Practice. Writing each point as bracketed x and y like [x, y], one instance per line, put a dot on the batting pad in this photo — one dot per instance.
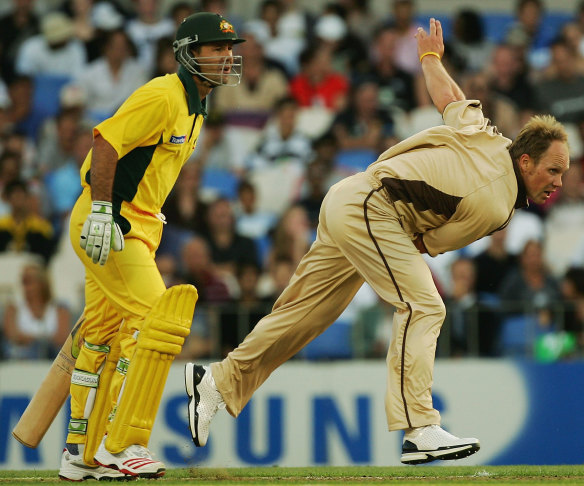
[160, 340]
[85, 380]
[103, 404]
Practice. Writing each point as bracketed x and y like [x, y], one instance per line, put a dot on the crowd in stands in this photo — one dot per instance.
[322, 94]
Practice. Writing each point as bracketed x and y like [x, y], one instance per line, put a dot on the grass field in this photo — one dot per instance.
[458, 475]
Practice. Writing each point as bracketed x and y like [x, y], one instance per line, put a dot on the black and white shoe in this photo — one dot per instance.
[204, 401]
[432, 442]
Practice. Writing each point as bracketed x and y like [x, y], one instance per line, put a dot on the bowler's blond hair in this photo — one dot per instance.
[536, 137]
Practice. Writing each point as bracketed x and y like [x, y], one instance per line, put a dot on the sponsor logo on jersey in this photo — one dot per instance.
[178, 139]
[226, 26]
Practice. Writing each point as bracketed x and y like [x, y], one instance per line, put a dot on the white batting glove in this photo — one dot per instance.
[100, 233]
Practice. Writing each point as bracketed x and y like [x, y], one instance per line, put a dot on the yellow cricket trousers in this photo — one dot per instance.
[123, 290]
[359, 239]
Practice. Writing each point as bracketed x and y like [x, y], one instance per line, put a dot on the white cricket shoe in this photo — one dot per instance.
[135, 461]
[204, 401]
[73, 468]
[432, 442]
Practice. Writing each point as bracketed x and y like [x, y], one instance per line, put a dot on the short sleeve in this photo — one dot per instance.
[460, 114]
[139, 122]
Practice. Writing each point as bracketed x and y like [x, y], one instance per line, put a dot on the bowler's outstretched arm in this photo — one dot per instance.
[441, 87]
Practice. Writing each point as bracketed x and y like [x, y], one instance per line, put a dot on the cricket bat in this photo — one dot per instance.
[51, 395]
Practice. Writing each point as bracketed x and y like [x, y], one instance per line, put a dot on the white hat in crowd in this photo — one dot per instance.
[330, 27]
[57, 28]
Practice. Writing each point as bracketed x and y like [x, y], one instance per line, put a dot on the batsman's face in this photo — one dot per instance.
[215, 60]
[544, 177]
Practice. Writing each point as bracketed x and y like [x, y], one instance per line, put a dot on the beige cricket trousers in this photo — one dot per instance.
[359, 239]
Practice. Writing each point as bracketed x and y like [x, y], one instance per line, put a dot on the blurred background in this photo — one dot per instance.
[326, 87]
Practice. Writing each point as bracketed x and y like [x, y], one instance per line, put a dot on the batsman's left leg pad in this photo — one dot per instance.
[165, 328]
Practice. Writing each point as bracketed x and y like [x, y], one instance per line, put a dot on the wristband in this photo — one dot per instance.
[429, 53]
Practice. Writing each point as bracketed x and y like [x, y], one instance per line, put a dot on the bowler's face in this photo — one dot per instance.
[545, 177]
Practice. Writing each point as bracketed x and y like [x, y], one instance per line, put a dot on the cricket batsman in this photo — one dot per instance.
[134, 326]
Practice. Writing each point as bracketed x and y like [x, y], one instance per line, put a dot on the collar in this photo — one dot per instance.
[521, 201]
[196, 105]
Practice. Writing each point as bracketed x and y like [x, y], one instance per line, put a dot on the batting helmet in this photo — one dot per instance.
[204, 28]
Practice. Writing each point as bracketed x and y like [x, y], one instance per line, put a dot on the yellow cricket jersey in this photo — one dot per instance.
[154, 133]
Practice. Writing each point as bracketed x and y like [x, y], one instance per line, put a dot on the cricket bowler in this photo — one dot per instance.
[436, 191]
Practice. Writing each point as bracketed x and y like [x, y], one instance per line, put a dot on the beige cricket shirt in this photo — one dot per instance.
[454, 183]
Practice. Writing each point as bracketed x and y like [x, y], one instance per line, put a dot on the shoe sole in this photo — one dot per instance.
[129, 475]
[194, 397]
[452, 453]
[90, 476]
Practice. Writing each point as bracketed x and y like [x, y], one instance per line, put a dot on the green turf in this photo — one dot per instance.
[413, 475]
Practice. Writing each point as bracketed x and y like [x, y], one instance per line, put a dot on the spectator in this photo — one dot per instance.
[296, 22]
[17, 143]
[239, 316]
[180, 11]
[531, 289]
[262, 85]
[397, 88]
[532, 32]
[326, 149]
[560, 95]
[19, 112]
[317, 84]
[228, 248]
[579, 19]
[280, 45]
[407, 49]
[359, 18]
[221, 7]
[198, 270]
[16, 26]
[493, 265]
[55, 150]
[362, 125]
[114, 76]
[371, 331]
[502, 112]
[62, 184]
[249, 220]
[215, 150]
[281, 140]
[469, 42]
[473, 328]
[564, 222]
[348, 52]
[146, 28]
[80, 11]
[168, 267]
[22, 230]
[277, 278]
[185, 211]
[56, 51]
[508, 78]
[572, 288]
[165, 62]
[9, 172]
[574, 38]
[315, 190]
[292, 236]
[35, 326]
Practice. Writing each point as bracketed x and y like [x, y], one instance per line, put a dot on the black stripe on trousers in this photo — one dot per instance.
[389, 272]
